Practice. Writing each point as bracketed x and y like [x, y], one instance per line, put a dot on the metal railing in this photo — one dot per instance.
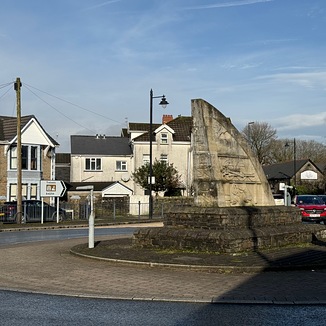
[112, 210]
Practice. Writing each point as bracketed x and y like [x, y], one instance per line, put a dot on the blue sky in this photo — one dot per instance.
[255, 60]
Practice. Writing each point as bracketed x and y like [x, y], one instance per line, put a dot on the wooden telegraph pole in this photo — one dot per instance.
[19, 153]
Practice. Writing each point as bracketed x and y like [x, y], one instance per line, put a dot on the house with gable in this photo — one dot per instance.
[111, 159]
[171, 142]
[38, 157]
[106, 162]
[301, 173]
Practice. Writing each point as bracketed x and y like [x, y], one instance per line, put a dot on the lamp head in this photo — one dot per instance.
[164, 102]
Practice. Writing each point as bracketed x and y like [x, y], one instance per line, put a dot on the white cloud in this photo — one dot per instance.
[228, 4]
[260, 67]
[101, 4]
[304, 79]
[300, 121]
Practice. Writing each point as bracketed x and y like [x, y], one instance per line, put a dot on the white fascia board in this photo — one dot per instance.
[33, 133]
[116, 189]
[164, 127]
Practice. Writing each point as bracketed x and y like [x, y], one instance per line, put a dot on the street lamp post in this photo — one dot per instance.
[163, 103]
[294, 162]
[249, 133]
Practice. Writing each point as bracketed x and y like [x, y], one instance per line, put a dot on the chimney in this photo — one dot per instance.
[167, 118]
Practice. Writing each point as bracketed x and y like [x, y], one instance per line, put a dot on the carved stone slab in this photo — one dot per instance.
[225, 170]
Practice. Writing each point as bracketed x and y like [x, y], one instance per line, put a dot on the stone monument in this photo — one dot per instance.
[233, 208]
[226, 173]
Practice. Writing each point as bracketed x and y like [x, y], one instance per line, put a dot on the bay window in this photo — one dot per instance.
[30, 157]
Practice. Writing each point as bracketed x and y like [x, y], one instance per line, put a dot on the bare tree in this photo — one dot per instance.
[280, 151]
[283, 150]
[261, 137]
[263, 140]
[310, 149]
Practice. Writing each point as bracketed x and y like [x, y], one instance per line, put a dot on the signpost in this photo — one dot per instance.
[287, 196]
[52, 188]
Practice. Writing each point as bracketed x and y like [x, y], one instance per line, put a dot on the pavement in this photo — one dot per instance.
[281, 277]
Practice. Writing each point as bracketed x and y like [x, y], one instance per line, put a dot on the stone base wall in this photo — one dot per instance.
[215, 218]
[225, 230]
[228, 241]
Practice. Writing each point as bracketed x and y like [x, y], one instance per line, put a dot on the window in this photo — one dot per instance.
[93, 164]
[33, 158]
[30, 157]
[121, 166]
[164, 158]
[164, 138]
[29, 191]
[25, 157]
[145, 158]
[33, 194]
[13, 158]
[24, 191]
[13, 192]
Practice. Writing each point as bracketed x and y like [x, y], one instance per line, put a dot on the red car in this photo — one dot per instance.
[312, 207]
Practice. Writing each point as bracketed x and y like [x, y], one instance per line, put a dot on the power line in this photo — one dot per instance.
[92, 131]
[9, 88]
[9, 85]
[76, 105]
[5, 85]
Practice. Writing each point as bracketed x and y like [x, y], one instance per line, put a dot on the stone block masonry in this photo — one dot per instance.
[233, 209]
[226, 230]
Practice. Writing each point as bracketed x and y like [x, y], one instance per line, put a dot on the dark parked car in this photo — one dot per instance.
[312, 208]
[32, 211]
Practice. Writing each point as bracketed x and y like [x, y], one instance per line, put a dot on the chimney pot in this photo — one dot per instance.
[167, 118]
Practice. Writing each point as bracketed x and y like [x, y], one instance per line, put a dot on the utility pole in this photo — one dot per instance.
[17, 87]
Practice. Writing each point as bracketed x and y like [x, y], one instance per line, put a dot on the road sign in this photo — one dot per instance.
[52, 188]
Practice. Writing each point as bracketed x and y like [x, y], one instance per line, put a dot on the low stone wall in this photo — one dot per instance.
[227, 230]
[227, 241]
[215, 218]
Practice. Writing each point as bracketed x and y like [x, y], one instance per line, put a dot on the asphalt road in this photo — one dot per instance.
[47, 267]
[24, 309]
[18, 237]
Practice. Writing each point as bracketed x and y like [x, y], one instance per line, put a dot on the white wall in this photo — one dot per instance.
[139, 204]
[107, 174]
[178, 153]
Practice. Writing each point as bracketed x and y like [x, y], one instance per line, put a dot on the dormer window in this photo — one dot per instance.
[164, 138]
